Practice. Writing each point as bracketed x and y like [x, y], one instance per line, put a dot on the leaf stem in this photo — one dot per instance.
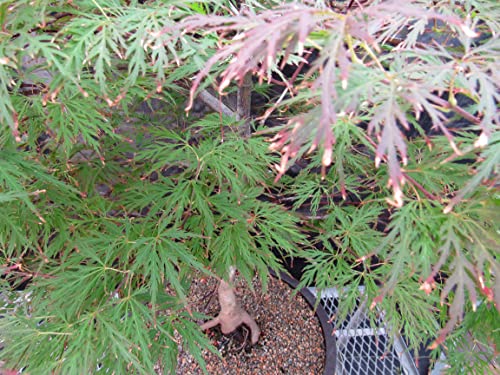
[102, 10]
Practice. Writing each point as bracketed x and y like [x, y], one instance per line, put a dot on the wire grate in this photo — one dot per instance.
[361, 348]
[367, 355]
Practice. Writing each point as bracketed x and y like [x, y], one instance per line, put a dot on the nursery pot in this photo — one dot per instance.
[326, 326]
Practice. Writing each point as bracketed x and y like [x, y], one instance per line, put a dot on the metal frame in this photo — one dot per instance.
[362, 349]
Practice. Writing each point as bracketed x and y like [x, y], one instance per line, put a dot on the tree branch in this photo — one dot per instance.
[215, 103]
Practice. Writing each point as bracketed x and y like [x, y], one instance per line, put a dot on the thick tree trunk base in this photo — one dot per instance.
[231, 314]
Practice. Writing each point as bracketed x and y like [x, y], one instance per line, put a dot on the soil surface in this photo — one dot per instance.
[291, 341]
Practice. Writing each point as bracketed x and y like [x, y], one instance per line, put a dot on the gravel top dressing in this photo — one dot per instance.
[291, 341]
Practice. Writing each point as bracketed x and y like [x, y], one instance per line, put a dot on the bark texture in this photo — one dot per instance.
[231, 314]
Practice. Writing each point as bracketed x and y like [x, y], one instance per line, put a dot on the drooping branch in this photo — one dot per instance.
[261, 41]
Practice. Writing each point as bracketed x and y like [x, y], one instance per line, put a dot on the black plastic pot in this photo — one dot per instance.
[327, 328]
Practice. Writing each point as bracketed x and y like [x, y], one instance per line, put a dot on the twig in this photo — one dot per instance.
[208, 297]
[408, 178]
[44, 24]
[242, 346]
[215, 103]
[421, 188]
[458, 110]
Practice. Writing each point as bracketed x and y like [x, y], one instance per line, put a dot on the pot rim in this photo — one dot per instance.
[326, 326]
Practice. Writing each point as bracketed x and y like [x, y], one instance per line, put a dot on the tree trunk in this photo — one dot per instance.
[244, 104]
[231, 314]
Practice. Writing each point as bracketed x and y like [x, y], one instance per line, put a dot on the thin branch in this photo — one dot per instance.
[421, 188]
[56, 17]
[408, 178]
[458, 110]
[215, 103]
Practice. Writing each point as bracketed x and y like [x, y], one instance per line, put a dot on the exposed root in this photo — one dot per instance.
[231, 314]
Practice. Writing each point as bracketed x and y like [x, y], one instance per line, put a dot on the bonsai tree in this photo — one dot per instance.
[373, 156]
